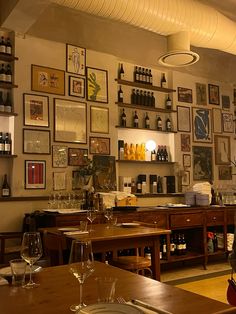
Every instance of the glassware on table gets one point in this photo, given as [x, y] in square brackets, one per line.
[81, 265]
[108, 213]
[31, 251]
[91, 216]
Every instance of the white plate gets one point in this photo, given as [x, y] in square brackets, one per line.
[6, 271]
[111, 308]
[130, 224]
[68, 229]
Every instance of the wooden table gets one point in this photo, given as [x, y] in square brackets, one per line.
[59, 289]
[116, 238]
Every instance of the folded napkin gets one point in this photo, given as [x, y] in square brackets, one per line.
[146, 308]
[75, 232]
[3, 281]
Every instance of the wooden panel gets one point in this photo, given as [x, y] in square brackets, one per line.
[230, 214]
[214, 217]
[186, 220]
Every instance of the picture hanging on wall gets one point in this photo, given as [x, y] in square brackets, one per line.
[77, 157]
[105, 176]
[201, 94]
[202, 163]
[186, 178]
[183, 119]
[36, 142]
[202, 125]
[59, 181]
[214, 95]
[185, 142]
[185, 95]
[99, 145]
[222, 150]
[76, 86]
[99, 119]
[97, 85]
[217, 120]
[36, 111]
[225, 173]
[35, 174]
[225, 102]
[228, 122]
[59, 156]
[75, 59]
[186, 160]
[47, 80]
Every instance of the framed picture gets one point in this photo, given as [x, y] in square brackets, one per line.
[202, 125]
[202, 163]
[75, 59]
[76, 86]
[201, 94]
[225, 173]
[99, 145]
[228, 122]
[59, 156]
[77, 157]
[222, 150]
[186, 160]
[217, 120]
[97, 88]
[185, 142]
[77, 181]
[99, 119]
[183, 119]
[105, 176]
[213, 93]
[186, 178]
[70, 121]
[36, 142]
[35, 174]
[47, 80]
[225, 102]
[36, 111]
[185, 95]
[59, 181]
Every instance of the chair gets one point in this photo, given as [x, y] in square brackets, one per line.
[10, 244]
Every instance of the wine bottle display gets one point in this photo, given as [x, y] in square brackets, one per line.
[168, 103]
[163, 81]
[159, 124]
[147, 121]
[6, 192]
[123, 118]
[120, 95]
[135, 120]
[121, 72]
[168, 125]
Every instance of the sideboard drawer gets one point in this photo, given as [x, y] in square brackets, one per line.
[215, 217]
[159, 219]
[186, 220]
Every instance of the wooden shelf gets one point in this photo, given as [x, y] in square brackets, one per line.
[146, 162]
[146, 108]
[7, 58]
[7, 85]
[187, 256]
[145, 86]
[129, 127]
[8, 114]
[8, 156]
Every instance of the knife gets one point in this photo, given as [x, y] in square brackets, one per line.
[149, 307]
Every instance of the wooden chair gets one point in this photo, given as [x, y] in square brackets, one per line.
[10, 245]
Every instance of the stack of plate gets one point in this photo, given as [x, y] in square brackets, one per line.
[202, 199]
[190, 198]
[204, 189]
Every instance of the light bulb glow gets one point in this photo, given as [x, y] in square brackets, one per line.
[151, 145]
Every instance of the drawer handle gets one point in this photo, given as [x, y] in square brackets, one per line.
[188, 220]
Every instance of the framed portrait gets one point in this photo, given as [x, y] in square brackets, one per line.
[59, 181]
[186, 178]
[214, 95]
[99, 145]
[75, 59]
[183, 119]
[99, 119]
[225, 173]
[228, 122]
[216, 120]
[59, 156]
[185, 95]
[35, 174]
[202, 125]
[201, 94]
[185, 142]
[76, 86]
[70, 123]
[225, 102]
[222, 150]
[202, 163]
[36, 110]
[97, 85]
[77, 157]
[186, 160]
[47, 80]
[36, 142]
[105, 176]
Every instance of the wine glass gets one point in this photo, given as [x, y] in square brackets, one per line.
[81, 265]
[108, 214]
[91, 216]
[31, 251]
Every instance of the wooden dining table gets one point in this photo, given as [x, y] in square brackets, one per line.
[113, 238]
[59, 289]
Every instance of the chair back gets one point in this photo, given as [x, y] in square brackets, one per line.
[54, 246]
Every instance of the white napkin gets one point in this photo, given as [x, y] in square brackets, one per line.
[148, 311]
[3, 281]
[76, 232]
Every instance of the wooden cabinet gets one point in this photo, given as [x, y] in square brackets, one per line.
[186, 220]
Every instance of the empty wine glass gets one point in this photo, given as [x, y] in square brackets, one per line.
[31, 251]
[108, 213]
[91, 216]
[81, 265]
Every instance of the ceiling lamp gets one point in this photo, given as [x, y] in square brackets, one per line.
[179, 53]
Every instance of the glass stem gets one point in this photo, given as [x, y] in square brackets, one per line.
[81, 294]
[30, 279]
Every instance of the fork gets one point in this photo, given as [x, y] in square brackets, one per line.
[121, 300]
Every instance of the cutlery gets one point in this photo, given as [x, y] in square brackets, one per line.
[149, 307]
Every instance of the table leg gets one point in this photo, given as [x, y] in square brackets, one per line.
[156, 269]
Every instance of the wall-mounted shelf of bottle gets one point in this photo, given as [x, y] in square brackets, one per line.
[146, 108]
[146, 86]
[133, 128]
[7, 58]
[145, 162]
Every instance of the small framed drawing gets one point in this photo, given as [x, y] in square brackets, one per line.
[185, 142]
[59, 181]
[185, 95]
[36, 142]
[76, 86]
[186, 160]
[99, 119]
[36, 110]
[35, 174]
[184, 121]
[222, 150]
[47, 80]
[213, 93]
[59, 156]
[97, 85]
[201, 94]
[217, 120]
[225, 102]
[186, 178]
[75, 59]
[77, 157]
[99, 145]
[228, 122]
[202, 163]
[70, 121]
[225, 173]
[202, 125]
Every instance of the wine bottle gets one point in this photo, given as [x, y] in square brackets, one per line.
[120, 95]
[153, 155]
[158, 157]
[166, 157]
[2, 74]
[168, 103]
[162, 153]
[145, 98]
[164, 249]
[137, 97]
[133, 97]
[8, 74]
[1, 144]
[1, 103]
[184, 245]
[136, 75]
[159, 123]
[147, 121]
[139, 187]
[150, 76]
[168, 125]
[123, 119]
[149, 99]
[147, 76]
[8, 104]
[8, 46]
[7, 144]
[163, 81]
[6, 191]
[141, 98]
[153, 99]
[143, 76]
[140, 74]
[159, 185]
[121, 72]
[135, 120]
[2, 45]
[172, 246]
